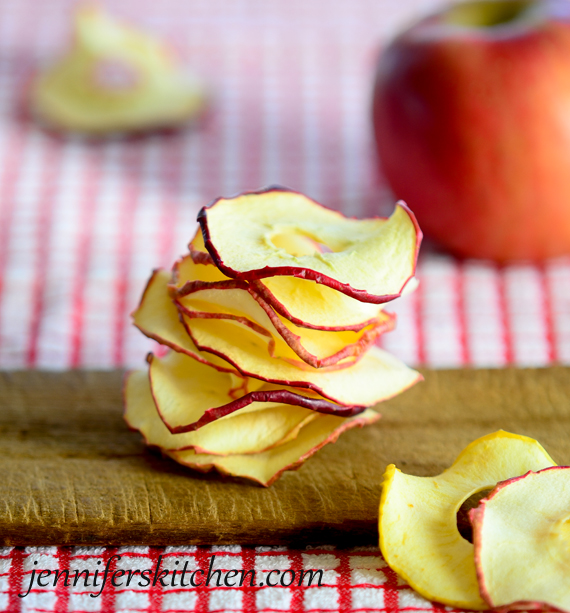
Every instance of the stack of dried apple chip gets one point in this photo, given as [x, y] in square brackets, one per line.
[271, 320]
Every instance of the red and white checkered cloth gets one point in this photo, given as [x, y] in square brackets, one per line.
[82, 224]
[353, 580]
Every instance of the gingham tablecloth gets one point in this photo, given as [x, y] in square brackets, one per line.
[82, 223]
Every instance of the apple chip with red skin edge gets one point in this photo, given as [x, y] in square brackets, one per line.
[188, 394]
[221, 376]
[266, 467]
[375, 377]
[253, 429]
[419, 538]
[198, 251]
[312, 305]
[521, 535]
[187, 270]
[302, 302]
[157, 317]
[115, 79]
[317, 348]
[371, 260]
[307, 303]
[198, 323]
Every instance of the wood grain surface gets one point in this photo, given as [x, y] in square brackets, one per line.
[71, 472]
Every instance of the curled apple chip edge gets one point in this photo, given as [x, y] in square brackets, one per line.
[266, 467]
[520, 536]
[275, 346]
[253, 429]
[381, 322]
[198, 294]
[157, 317]
[303, 302]
[320, 348]
[371, 260]
[187, 271]
[375, 377]
[198, 251]
[309, 304]
[382, 374]
[284, 340]
[188, 394]
[419, 538]
[115, 78]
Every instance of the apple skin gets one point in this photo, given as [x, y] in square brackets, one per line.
[300, 271]
[353, 350]
[472, 127]
[281, 396]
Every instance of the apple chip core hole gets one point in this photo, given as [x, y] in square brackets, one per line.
[296, 243]
[115, 75]
[486, 14]
[463, 523]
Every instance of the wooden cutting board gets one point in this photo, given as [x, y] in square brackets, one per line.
[71, 472]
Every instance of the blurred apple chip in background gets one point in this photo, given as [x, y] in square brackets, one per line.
[115, 79]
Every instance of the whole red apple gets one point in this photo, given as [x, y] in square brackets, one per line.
[472, 123]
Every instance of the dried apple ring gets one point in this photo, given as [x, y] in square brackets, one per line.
[157, 317]
[312, 305]
[188, 394]
[303, 302]
[419, 537]
[253, 429]
[267, 466]
[115, 79]
[521, 535]
[371, 260]
[199, 295]
[375, 377]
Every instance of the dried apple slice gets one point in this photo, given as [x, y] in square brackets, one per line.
[115, 79]
[200, 295]
[285, 340]
[521, 535]
[157, 317]
[312, 305]
[187, 271]
[418, 527]
[375, 377]
[198, 252]
[267, 467]
[371, 260]
[196, 322]
[188, 394]
[243, 432]
[320, 348]
[302, 302]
